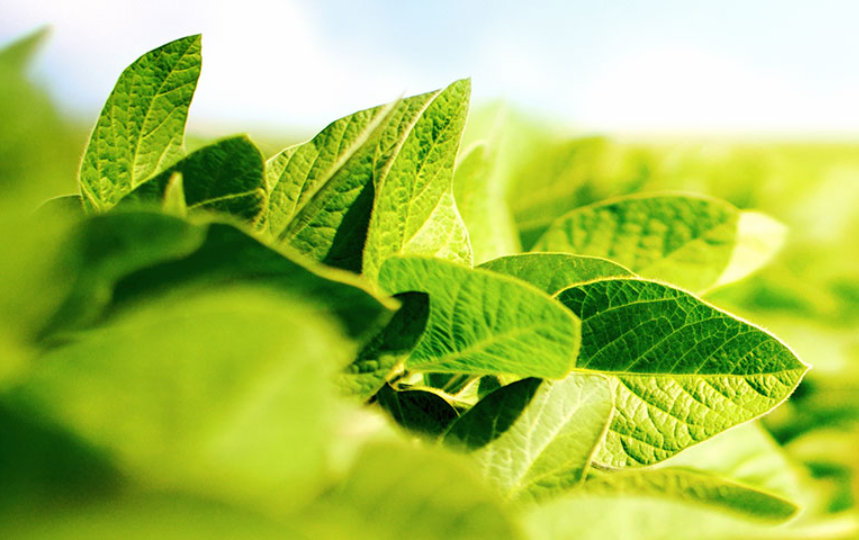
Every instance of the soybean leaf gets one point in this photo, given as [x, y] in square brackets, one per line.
[552, 272]
[651, 517]
[102, 249]
[397, 491]
[16, 56]
[692, 486]
[140, 130]
[227, 393]
[480, 195]
[481, 322]
[420, 411]
[339, 293]
[682, 371]
[321, 192]
[120, 259]
[367, 373]
[63, 205]
[535, 439]
[693, 242]
[224, 177]
[747, 454]
[414, 210]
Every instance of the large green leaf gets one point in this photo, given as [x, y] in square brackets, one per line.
[535, 439]
[321, 192]
[414, 210]
[482, 201]
[682, 371]
[747, 454]
[398, 491]
[120, 259]
[224, 177]
[227, 393]
[553, 272]
[693, 486]
[140, 130]
[367, 373]
[693, 242]
[481, 322]
[661, 504]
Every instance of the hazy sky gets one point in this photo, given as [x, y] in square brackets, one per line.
[659, 65]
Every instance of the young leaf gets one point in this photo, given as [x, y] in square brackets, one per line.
[481, 322]
[226, 393]
[140, 130]
[693, 242]
[420, 411]
[414, 210]
[225, 177]
[682, 371]
[535, 439]
[321, 192]
[692, 486]
[367, 373]
[552, 272]
[481, 200]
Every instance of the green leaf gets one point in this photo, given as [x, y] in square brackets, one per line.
[224, 177]
[140, 130]
[747, 454]
[102, 249]
[682, 371]
[481, 199]
[228, 255]
[226, 393]
[481, 322]
[420, 411]
[692, 486]
[122, 259]
[693, 242]
[552, 272]
[414, 210]
[391, 346]
[664, 503]
[651, 517]
[17, 55]
[535, 439]
[398, 491]
[321, 192]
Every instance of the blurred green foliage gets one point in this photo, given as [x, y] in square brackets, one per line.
[170, 471]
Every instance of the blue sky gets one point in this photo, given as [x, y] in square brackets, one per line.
[754, 66]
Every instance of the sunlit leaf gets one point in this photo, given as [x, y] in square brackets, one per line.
[693, 242]
[481, 322]
[140, 130]
[681, 370]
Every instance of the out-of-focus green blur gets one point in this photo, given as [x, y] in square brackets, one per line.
[808, 296]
